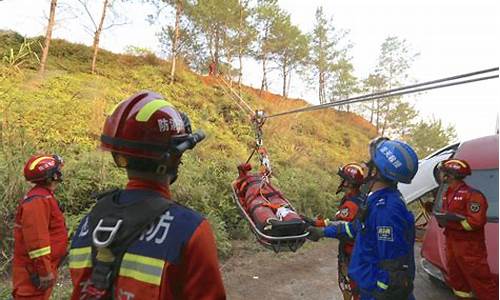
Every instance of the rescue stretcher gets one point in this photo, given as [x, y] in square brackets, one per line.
[282, 232]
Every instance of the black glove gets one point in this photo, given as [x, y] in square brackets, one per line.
[315, 233]
[309, 221]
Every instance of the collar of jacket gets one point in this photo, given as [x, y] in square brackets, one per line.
[135, 184]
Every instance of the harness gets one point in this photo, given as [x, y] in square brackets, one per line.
[114, 227]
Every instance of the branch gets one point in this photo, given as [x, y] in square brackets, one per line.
[84, 4]
[116, 24]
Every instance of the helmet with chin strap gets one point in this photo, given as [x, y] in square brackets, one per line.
[456, 168]
[395, 161]
[352, 174]
[147, 133]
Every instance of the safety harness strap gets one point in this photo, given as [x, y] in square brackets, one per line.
[115, 226]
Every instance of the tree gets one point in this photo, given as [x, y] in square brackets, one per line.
[344, 83]
[48, 35]
[325, 52]
[179, 6]
[97, 29]
[394, 62]
[373, 84]
[217, 21]
[289, 48]
[321, 49]
[246, 35]
[427, 137]
[267, 14]
[400, 119]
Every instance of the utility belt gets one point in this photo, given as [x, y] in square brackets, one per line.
[400, 284]
[114, 227]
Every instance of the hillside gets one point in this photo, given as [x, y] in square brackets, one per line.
[63, 112]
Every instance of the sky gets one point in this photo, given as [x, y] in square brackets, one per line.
[452, 37]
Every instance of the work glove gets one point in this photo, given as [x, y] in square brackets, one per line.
[315, 233]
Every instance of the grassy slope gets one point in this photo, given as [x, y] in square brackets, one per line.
[63, 112]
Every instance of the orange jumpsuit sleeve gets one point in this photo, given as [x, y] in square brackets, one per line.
[347, 212]
[203, 277]
[35, 227]
[475, 214]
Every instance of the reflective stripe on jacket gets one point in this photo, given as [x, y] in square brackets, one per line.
[40, 234]
[175, 258]
[387, 234]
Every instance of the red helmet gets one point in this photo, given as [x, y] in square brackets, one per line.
[455, 167]
[351, 174]
[146, 129]
[43, 168]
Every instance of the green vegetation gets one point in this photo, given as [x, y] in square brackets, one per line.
[63, 112]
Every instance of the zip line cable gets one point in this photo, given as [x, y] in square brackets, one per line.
[387, 95]
[429, 85]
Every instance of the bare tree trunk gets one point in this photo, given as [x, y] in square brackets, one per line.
[178, 12]
[48, 36]
[372, 110]
[263, 86]
[289, 83]
[321, 88]
[97, 35]
[284, 79]
[378, 116]
[240, 49]
[216, 51]
[386, 113]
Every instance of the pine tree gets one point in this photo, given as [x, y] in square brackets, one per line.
[289, 48]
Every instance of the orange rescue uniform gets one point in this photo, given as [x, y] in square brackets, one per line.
[465, 247]
[40, 242]
[348, 211]
[178, 261]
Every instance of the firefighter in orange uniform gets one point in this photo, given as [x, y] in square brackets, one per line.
[352, 178]
[464, 217]
[40, 234]
[137, 243]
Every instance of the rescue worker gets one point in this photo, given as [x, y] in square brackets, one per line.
[352, 178]
[463, 218]
[137, 243]
[382, 263]
[212, 68]
[40, 234]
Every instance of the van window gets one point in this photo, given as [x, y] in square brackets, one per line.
[485, 181]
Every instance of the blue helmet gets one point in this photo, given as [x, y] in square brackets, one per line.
[395, 160]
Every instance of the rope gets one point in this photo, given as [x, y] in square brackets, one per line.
[248, 107]
[396, 92]
[237, 103]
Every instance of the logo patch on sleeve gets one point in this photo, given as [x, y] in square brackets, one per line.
[344, 212]
[384, 233]
[475, 207]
